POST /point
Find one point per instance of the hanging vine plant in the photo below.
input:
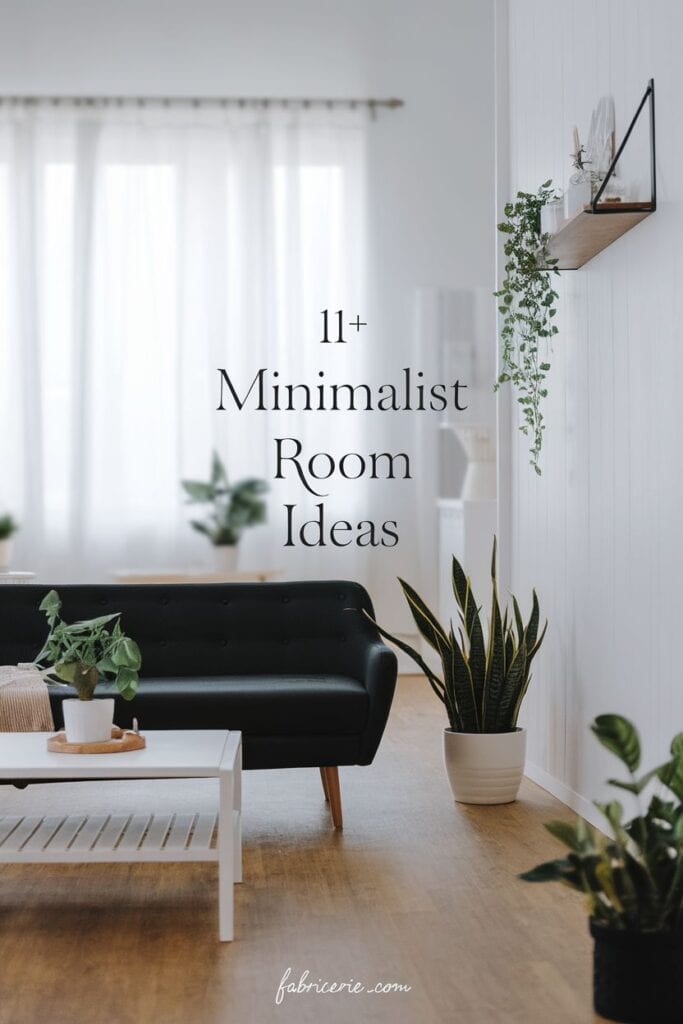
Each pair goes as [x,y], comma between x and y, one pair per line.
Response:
[527,306]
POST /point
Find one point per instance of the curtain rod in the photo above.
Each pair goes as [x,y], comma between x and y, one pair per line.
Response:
[201,101]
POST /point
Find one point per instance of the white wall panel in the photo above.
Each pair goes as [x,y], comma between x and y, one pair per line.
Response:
[599,534]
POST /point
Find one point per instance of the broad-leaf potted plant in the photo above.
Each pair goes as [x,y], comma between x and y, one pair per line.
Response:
[632,880]
[233,508]
[83,654]
[8,527]
[483,682]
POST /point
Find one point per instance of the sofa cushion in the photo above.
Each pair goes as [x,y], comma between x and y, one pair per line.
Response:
[261,705]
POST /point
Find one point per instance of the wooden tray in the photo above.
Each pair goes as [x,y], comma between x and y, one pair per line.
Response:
[121,740]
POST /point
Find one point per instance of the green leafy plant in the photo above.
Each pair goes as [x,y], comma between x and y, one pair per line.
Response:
[8,526]
[484,679]
[527,307]
[633,878]
[83,653]
[234,506]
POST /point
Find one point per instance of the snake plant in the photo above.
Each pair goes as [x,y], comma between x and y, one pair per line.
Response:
[483,679]
[632,879]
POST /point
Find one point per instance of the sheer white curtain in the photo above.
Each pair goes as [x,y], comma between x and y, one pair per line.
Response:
[141,248]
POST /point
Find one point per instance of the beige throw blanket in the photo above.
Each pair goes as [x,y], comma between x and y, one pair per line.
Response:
[24,700]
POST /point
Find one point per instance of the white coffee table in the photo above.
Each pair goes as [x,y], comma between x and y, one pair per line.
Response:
[184,754]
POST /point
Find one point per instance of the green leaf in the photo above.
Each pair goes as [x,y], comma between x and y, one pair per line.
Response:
[638,785]
[671,774]
[463,687]
[515,680]
[126,682]
[495,661]
[105,666]
[460,584]
[619,736]
[425,620]
[613,811]
[198,492]
[551,871]
[567,832]
[66,670]
[519,622]
[218,475]
[477,660]
[90,625]
[434,681]
[200,527]
[127,654]
[51,605]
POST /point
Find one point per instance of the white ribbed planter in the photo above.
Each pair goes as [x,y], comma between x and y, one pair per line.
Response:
[484,768]
[225,558]
[88,721]
[5,553]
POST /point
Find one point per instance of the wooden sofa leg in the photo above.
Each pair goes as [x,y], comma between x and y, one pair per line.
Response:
[332,776]
[323,776]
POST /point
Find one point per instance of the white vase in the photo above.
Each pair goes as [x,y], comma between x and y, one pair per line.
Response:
[480,476]
[5,553]
[484,768]
[88,721]
[552,216]
[225,558]
[577,196]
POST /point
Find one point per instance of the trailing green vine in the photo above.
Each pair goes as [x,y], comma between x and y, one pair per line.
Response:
[527,307]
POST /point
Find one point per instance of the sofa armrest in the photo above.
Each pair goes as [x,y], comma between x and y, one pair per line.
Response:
[380,668]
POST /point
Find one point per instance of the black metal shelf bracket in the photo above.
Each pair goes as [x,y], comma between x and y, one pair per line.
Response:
[607,208]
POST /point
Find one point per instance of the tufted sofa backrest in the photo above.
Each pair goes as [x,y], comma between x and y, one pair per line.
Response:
[209,629]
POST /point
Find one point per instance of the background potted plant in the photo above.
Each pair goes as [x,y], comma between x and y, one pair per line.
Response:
[84,654]
[632,880]
[8,527]
[483,683]
[234,507]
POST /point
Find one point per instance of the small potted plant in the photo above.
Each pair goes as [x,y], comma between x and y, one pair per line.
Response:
[632,880]
[483,683]
[83,654]
[233,508]
[8,527]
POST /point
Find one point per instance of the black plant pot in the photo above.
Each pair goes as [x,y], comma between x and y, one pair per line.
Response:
[638,976]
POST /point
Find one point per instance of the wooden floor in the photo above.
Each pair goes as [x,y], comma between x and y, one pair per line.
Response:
[416,890]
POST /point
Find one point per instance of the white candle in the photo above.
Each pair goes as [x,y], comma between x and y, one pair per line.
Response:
[577,144]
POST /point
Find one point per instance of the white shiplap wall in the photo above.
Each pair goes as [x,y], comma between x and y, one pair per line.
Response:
[600,535]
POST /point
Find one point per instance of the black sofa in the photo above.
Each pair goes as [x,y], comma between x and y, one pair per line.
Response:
[297,667]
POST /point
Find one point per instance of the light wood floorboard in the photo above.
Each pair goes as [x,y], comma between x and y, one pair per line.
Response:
[416,890]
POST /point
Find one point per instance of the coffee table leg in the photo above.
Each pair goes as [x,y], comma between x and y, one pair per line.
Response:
[226,854]
[237,817]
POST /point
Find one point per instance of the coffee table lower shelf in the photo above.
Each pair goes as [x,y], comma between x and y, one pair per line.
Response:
[118,838]
[135,836]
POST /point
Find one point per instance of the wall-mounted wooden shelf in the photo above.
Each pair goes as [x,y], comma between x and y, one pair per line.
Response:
[592,229]
[586,234]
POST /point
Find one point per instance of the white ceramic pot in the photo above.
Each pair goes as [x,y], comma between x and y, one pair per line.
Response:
[484,768]
[88,721]
[5,553]
[225,558]
[577,196]
[552,215]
